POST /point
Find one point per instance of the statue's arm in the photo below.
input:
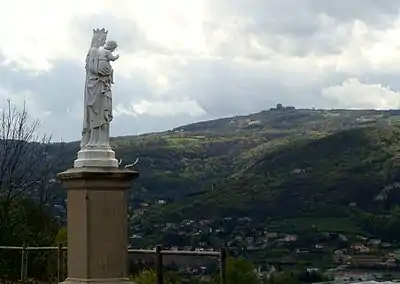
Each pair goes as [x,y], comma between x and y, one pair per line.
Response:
[113,57]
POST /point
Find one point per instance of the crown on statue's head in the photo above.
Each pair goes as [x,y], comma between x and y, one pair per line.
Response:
[103,30]
[99,37]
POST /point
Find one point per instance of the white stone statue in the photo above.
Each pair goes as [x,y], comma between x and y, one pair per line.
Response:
[105,56]
[95,144]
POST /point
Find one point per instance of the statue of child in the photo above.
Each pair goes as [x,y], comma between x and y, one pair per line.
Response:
[105,57]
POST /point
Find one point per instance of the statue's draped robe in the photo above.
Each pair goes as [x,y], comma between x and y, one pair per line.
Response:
[98,104]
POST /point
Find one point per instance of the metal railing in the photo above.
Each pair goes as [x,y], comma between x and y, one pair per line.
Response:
[158,252]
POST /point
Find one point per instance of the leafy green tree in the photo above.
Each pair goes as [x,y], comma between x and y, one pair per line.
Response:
[150,277]
[238,271]
[282,278]
[33,225]
[146,277]
[61,237]
[303,276]
[397,262]
[312,277]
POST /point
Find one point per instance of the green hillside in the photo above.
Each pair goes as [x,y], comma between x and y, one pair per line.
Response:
[271,166]
[323,177]
[189,159]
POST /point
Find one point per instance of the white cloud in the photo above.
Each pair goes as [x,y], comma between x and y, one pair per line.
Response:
[51,31]
[168,108]
[371,49]
[356,95]
[19,100]
[34,33]
[177,25]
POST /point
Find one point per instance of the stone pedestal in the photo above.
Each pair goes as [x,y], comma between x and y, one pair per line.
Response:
[97,224]
[96,157]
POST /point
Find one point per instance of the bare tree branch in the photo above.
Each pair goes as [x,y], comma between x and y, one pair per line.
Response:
[26,167]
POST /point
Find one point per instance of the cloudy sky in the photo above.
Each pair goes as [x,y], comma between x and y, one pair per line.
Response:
[184,61]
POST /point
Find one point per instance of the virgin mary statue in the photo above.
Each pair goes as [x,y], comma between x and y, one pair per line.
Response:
[97,98]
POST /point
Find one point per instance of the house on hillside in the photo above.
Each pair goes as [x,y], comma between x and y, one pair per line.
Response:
[365,119]
[374,242]
[287,239]
[298,171]
[290,238]
[254,123]
[361,238]
[385,245]
[271,235]
[360,248]
[366,260]
[340,256]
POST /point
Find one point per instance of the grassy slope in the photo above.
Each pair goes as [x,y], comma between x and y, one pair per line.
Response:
[350,167]
[191,158]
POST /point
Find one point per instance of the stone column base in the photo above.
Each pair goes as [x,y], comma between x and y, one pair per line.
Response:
[96,157]
[100,281]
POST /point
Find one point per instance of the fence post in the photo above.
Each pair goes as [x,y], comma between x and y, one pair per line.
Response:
[59,262]
[26,262]
[23,252]
[65,264]
[222,263]
[159,265]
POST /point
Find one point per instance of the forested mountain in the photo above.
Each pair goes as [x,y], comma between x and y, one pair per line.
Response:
[280,163]
[193,158]
[324,177]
